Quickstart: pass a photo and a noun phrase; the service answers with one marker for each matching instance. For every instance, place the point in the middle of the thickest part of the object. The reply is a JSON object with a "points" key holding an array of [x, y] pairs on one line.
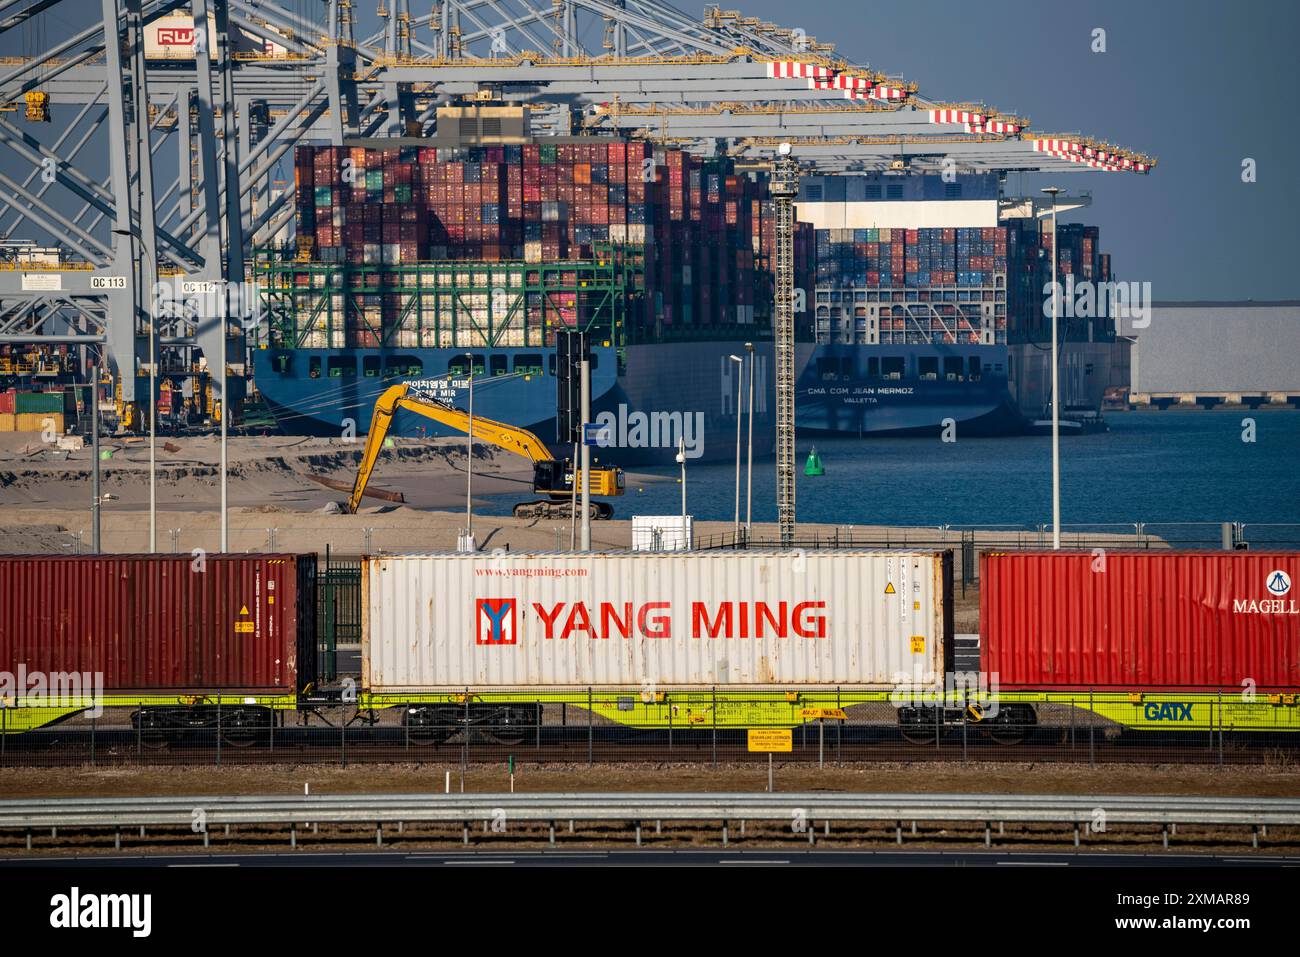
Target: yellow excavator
{"points": [[552, 478]]}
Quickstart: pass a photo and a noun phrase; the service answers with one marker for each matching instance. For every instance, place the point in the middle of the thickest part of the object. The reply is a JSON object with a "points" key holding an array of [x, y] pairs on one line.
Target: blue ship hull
{"points": [[664, 394], [846, 390]]}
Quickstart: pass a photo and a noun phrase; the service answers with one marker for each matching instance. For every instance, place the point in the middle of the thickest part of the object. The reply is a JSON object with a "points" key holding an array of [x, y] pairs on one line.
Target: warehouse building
{"points": [[1211, 353]]}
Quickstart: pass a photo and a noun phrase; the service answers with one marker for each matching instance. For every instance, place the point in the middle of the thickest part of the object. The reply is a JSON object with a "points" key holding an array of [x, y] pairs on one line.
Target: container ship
{"points": [[930, 304], [423, 260]]}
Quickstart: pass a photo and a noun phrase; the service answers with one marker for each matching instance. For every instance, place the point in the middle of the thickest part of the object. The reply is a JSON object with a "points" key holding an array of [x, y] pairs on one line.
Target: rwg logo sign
{"points": [[494, 621]]}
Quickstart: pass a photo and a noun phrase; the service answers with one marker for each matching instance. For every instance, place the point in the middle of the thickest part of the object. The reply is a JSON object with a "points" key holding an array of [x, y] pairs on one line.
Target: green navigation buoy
{"points": [[814, 464]]}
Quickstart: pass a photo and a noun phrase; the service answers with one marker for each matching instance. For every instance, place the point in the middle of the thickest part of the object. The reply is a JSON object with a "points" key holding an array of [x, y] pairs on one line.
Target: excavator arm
{"points": [[519, 441]]}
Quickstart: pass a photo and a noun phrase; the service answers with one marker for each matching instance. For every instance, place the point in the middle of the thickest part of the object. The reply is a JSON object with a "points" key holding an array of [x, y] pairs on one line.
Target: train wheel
{"points": [[151, 731], [425, 727], [1012, 725], [244, 728], [515, 725], [914, 726], [427, 737], [604, 511], [239, 739]]}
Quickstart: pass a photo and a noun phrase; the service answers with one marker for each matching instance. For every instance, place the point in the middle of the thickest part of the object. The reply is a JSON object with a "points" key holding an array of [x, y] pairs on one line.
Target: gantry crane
{"points": [[551, 477], [147, 263]]}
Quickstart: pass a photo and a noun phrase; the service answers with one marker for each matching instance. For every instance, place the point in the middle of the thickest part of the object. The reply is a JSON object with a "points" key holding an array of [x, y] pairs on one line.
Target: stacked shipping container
{"points": [[36, 411], [1030, 272], [695, 228], [950, 272], [911, 257]]}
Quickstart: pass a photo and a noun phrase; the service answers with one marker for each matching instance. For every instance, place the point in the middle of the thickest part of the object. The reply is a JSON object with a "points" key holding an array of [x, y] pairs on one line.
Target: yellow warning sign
{"points": [[243, 609], [918, 644], [889, 589], [243, 627], [771, 739], [813, 714]]}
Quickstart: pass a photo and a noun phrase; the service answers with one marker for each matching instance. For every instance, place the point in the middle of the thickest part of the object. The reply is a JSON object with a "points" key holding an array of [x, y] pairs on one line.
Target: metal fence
{"points": [[1132, 535], [704, 727], [338, 616], [376, 540]]}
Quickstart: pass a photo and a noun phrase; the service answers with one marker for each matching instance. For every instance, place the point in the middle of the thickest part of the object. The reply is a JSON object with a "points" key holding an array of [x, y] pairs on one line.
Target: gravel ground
{"points": [[892, 778]]}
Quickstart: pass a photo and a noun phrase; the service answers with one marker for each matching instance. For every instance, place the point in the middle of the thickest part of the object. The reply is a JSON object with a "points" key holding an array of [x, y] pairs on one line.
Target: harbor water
{"points": [[1155, 467]]}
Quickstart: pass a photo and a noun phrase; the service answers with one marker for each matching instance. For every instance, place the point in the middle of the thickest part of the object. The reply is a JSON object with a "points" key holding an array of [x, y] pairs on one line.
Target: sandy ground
{"points": [[44, 489], [264, 471]]}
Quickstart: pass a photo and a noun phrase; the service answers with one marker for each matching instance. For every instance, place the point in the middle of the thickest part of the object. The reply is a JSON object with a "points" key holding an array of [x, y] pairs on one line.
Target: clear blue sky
{"points": [[1200, 84]]}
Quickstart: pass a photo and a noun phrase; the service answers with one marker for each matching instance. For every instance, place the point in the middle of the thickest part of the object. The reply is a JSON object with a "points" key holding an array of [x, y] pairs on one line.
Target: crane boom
{"points": [[604, 481]]}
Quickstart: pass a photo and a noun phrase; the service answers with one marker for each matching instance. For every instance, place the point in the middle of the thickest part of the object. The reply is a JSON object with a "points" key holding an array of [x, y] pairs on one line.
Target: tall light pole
{"points": [[740, 373], [151, 277], [94, 451], [749, 469], [681, 460], [1056, 404], [584, 368], [469, 457], [225, 420]]}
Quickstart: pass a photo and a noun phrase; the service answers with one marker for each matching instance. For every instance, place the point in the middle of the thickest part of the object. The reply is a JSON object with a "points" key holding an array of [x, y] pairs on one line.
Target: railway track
{"points": [[575, 744]]}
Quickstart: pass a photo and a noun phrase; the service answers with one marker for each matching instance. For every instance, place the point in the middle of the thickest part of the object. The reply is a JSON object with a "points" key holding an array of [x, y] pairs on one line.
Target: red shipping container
{"points": [[1141, 620], [155, 623], [8, 400]]}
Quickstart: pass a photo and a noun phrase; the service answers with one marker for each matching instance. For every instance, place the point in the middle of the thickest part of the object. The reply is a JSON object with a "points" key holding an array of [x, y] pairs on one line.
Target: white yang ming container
{"points": [[702, 619]]}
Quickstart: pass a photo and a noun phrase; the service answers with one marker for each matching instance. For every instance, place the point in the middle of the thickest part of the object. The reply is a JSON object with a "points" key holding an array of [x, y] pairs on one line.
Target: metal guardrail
{"points": [[805, 810]]}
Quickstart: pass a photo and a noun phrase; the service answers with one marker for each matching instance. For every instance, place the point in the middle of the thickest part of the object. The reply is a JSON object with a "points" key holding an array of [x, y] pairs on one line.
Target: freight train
{"points": [[1160, 640]]}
